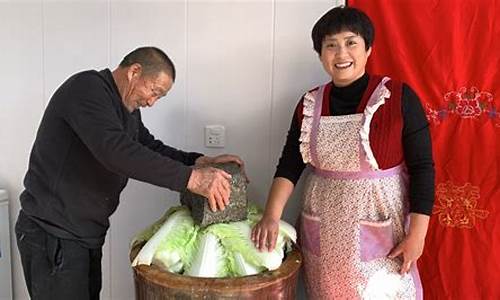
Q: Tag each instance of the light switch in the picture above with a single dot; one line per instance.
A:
(215, 136)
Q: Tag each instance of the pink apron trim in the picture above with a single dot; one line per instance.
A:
(413, 269)
(364, 165)
(360, 175)
(416, 280)
(318, 102)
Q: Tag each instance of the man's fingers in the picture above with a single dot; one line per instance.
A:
(213, 184)
(225, 185)
(225, 182)
(225, 174)
(238, 161)
(218, 196)
(221, 185)
(211, 202)
(228, 158)
(221, 202)
(225, 196)
(221, 191)
(226, 190)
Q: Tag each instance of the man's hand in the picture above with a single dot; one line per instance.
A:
(224, 158)
(213, 184)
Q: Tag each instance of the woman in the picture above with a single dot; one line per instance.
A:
(367, 201)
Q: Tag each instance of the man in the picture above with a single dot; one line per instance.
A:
(90, 141)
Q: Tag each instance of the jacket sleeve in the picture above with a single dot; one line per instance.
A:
(95, 120)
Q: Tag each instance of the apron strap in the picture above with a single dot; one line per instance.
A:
(318, 102)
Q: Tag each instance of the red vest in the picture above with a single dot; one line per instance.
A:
(386, 126)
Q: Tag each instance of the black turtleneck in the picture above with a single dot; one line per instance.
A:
(416, 142)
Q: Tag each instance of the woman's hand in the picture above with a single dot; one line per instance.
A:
(265, 233)
(412, 245)
(410, 249)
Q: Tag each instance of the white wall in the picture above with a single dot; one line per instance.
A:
(242, 64)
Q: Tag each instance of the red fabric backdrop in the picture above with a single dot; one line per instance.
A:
(449, 52)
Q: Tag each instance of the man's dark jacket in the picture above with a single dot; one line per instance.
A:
(86, 148)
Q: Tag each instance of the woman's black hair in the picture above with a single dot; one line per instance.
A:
(343, 18)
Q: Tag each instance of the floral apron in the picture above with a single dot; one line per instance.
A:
(353, 213)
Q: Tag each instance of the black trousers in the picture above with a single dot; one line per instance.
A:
(57, 268)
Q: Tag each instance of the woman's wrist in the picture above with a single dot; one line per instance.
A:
(272, 214)
(418, 226)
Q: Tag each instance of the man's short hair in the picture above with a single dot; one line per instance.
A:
(152, 61)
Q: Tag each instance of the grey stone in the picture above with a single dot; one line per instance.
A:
(236, 210)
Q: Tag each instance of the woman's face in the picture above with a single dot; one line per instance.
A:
(344, 57)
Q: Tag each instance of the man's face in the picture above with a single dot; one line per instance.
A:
(146, 90)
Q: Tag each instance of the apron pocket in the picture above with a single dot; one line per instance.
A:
(376, 239)
(309, 234)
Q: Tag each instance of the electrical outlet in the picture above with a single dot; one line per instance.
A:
(215, 136)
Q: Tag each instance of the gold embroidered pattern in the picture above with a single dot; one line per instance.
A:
(456, 206)
(466, 103)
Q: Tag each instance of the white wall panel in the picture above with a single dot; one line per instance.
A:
(135, 24)
(161, 24)
(229, 80)
(21, 103)
(76, 35)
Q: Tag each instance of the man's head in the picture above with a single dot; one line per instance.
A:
(144, 76)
